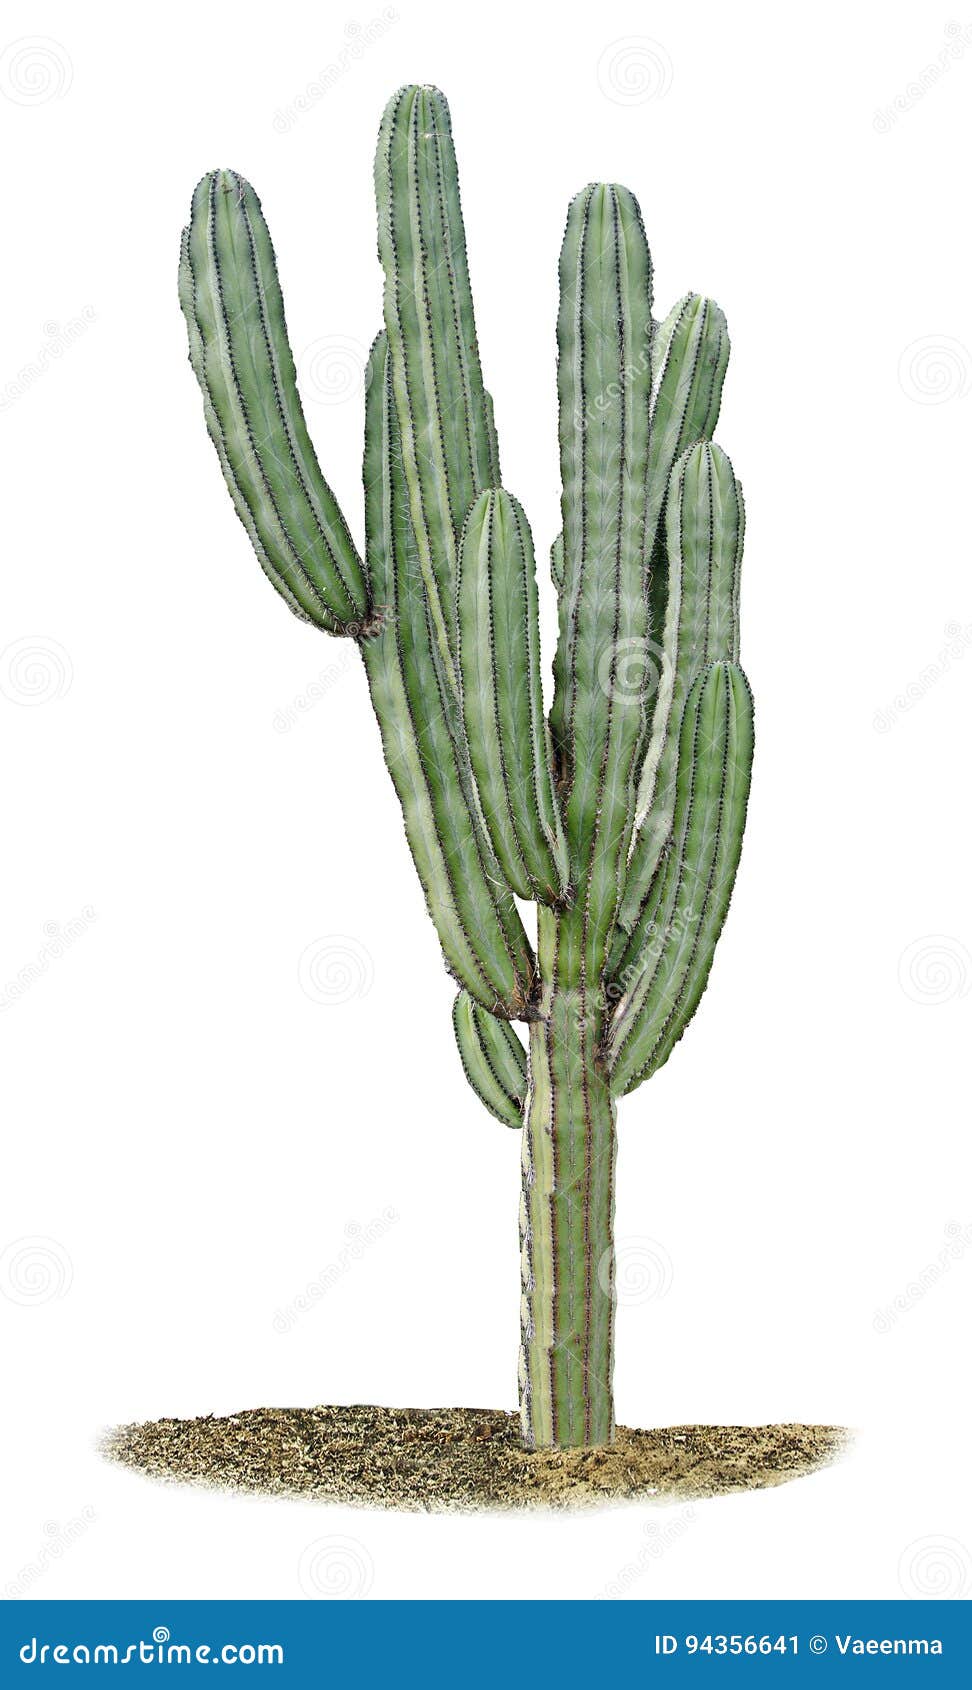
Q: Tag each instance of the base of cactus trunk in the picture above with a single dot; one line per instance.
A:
(462, 1458)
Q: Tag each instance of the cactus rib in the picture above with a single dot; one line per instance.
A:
(493, 1059)
(502, 704)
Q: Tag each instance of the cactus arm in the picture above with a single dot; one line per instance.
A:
(243, 509)
(484, 948)
(688, 903)
(604, 384)
(493, 1059)
(498, 642)
(241, 356)
(705, 528)
(689, 358)
(448, 438)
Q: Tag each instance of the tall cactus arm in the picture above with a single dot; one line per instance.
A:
(502, 704)
(448, 437)
(241, 356)
(664, 979)
(690, 353)
(479, 930)
(705, 530)
(604, 385)
(493, 1059)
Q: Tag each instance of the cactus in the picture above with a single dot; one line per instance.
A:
(620, 815)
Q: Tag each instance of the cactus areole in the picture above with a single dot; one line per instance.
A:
(620, 812)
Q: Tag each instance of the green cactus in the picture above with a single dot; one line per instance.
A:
(621, 814)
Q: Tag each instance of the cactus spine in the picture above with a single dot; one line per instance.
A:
(621, 815)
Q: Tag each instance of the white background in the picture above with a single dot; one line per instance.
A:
(188, 1133)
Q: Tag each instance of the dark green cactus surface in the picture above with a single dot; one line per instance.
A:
(620, 814)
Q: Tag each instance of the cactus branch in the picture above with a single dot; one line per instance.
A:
(502, 704)
(493, 1059)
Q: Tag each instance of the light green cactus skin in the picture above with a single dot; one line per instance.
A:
(622, 816)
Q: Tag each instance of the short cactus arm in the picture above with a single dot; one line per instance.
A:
(448, 436)
(705, 529)
(241, 357)
(479, 930)
(493, 1060)
(665, 972)
(502, 704)
(604, 383)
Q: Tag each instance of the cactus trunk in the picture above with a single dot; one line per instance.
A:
(566, 1212)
